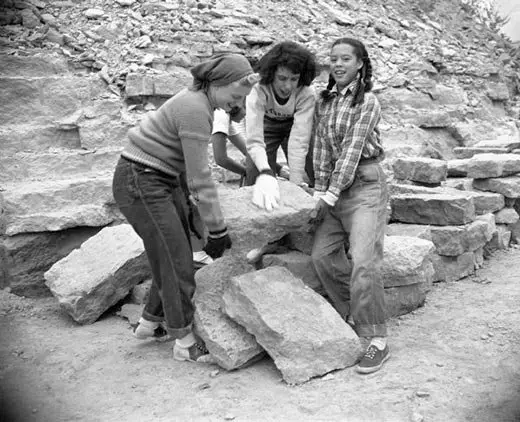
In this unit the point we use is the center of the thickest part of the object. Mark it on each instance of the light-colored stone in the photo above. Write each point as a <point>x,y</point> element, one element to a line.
<point>438,209</point>
<point>29,255</point>
<point>299,264</point>
<point>57,205</point>
<point>228,342</point>
<point>406,260</point>
<point>455,240</point>
<point>468,152</point>
<point>510,144</point>
<point>404,299</point>
<point>100,273</point>
<point>484,166</point>
<point>140,292</point>
<point>507,186</point>
<point>500,240</point>
<point>506,216</point>
<point>251,227</point>
<point>421,231</point>
<point>458,168</point>
<point>420,169</point>
<point>453,268</point>
<point>299,329</point>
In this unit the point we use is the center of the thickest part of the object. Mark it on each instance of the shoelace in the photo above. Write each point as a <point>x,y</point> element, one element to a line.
<point>371,352</point>
<point>202,348</point>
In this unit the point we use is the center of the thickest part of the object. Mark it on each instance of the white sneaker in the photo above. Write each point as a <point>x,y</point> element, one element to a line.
<point>202,257</point>
<point>145,329</point>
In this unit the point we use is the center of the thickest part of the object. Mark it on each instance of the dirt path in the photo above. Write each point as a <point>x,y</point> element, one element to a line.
<point>456,359</point>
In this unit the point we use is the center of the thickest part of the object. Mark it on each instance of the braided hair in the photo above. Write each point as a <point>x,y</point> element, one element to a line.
<point>365,73</point>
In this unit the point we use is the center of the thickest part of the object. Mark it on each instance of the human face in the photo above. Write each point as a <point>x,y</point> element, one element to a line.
<point>230,96</point>
<point>344,64</point>
<point>285,82</point>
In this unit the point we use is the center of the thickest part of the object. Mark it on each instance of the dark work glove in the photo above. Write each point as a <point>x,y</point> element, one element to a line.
<point>217,243</point>
<point>318,214</point>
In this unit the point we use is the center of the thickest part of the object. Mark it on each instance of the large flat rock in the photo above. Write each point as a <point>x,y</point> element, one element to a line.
<point>251,227</point>
<point>455,240</point>
<point>100,273</point>
<point>228,342</point>
<point>485,202</point>
<point>437,209</point>
<point>299,329</point>
<point>59,204</point>
<point>507,186</point>
<point>28,255</point>
<point>484,166</point>
<point>420,169</point>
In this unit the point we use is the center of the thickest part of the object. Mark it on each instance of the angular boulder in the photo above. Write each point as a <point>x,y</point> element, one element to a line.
<point>420,169</point>
<point>251,227</point>
<point>228,342</point>
<point>455,240</point>
<point>437,209</point>
<point>407,261</point>
<point>507,186</point>
<point>299,264</point>
<point>299,329</point>
<point>484,166</point>
<point>100,273</point>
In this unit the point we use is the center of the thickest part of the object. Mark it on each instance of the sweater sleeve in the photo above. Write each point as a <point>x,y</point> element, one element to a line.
<point>194,132</point>
<point>255,110</point>
<point>300,134</point>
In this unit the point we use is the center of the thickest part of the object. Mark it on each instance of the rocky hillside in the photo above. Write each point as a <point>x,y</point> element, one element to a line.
<point>75,75</point>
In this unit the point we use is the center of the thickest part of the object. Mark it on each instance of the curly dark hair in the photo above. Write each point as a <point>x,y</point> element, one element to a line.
<point>291,55</point>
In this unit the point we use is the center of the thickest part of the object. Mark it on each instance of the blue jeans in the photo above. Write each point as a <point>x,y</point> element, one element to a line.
<point>348,251</point>
<point>276,134</point>
<point>154,204</point>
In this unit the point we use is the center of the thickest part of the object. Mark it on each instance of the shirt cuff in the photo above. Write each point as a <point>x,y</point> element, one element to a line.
<point>330,198</point>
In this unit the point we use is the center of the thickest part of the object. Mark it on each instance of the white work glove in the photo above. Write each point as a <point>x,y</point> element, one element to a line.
<point>266,193</point>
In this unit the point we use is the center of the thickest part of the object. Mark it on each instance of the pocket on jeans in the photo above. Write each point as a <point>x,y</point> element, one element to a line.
<point>368,174</point>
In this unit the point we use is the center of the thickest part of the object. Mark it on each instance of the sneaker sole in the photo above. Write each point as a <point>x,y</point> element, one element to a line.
<point>374,368</point>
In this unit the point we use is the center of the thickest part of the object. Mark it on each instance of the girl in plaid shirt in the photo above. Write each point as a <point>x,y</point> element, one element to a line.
<point>350,186</point>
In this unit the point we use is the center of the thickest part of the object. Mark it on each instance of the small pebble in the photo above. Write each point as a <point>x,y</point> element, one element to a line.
<point>204,386</point>
<point>484,337</point>
<point>422,394</point>
<point>229,417</point>
<point>214,373</point>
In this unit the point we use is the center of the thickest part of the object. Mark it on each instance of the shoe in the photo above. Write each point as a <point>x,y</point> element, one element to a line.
<point>197,352</point>
<point>373,360</point>
<point>149,329</point>
<point>255,255</point>
<point>202,258</point>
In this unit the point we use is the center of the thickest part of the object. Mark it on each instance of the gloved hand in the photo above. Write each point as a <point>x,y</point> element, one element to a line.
<point>266,193</point>
<point>217,243</point>
<point>318,214</point>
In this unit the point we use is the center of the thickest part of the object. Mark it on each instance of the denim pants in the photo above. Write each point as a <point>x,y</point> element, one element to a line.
<point>154,204</point>
<point>276,134</point>
<point>348,251</point>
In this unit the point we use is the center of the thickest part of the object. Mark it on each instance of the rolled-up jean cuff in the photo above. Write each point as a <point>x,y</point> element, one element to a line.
<point>176,333</point>
<point>378,330</point>
<point>153,318</point>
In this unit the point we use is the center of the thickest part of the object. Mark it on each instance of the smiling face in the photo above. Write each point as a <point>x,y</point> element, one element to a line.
<point>230,96</point>
<point>344,64</point>
<point>285,82</point>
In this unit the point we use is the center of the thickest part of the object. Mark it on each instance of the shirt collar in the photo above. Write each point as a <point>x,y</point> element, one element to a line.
<point>350,88</point>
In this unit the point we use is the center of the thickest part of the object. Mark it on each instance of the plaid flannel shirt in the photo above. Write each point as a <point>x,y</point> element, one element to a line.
<point>343,135</point>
